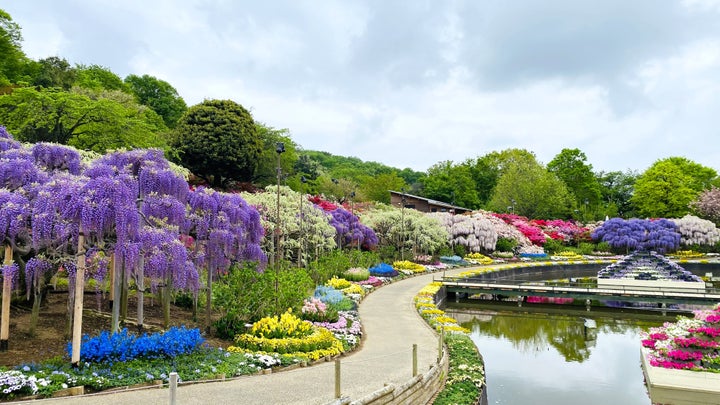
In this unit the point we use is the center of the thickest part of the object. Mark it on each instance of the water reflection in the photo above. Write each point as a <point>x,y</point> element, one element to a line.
<point>552,358</point>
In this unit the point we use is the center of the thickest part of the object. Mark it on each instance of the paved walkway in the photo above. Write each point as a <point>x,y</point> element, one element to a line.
<point>392,326</point>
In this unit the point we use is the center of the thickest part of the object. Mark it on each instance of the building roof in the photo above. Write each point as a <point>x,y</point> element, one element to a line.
<point>431,201</point>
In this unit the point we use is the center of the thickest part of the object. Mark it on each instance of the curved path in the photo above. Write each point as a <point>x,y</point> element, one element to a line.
<point>392,326</point>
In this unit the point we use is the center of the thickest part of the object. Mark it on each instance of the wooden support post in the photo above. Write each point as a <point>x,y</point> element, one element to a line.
<point>79,293</point>
<point>414,359</point>
<point>337,378</point>
<point>441,343</point>
<point>6,294</point>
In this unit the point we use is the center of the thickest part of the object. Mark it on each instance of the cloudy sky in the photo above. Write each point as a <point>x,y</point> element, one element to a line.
<point>410,83</point>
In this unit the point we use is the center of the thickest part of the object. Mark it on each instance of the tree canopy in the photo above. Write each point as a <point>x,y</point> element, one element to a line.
<point>78,120</point>
<point>217,140</point>
<point>158,95</point>
<point>452,184</point>
<point>570,166</point>
<point>528,189</point>
<point>669,185</point>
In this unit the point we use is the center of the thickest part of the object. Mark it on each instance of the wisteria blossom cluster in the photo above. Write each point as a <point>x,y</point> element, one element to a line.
<point>696,231</point>
<point>659,235</point>
<point>350,231</point>
<point>475,232</point>
<point>408,230</point>
<point>689,343</point>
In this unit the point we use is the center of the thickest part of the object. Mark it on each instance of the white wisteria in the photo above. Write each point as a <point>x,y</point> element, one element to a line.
<point>697,231</point>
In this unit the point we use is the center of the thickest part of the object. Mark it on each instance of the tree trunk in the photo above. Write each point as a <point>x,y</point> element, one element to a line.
<point>78,307</point>
<point>208,301</point>
<point>167,294</point>
<point>111,289</point>
<point>6,295</point>
<point>140,283</point>
<point>35,314</point>
<point>123,296</point>
<point>116,288</point>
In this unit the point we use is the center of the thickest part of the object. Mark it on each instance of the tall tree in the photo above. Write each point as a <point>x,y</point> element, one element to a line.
<point>528,189</point>
<point>158,95</point>
<point>267,165</point>
<point>570,166</point>
<point>616,189</point>
<point>55,72</point>
<point>217,140</point>
<point>13,58</point>
<point>77,120</point>
<point>487,169</point>
<point>377,188</point>
<point>98,77</point>
<point>452,184</point>
<point>666,188</point>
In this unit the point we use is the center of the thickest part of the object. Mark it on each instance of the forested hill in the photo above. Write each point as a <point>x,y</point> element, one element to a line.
<point>355,169</point>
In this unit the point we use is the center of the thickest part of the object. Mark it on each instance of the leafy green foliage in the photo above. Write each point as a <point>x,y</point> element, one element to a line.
<point>531,191</point>
<point>335,262</point>
<point>666,189</point>
<point>266,170</point>
<point>92,123</point>
<point>217,140</point>
<point>616,189</point>
<point>98,77</point>
<point>570,166</point>
<point>466,375</point>
<point>506,244</point>
<point>55,72</point>
<point>158,95</point>
<point>13,60</point>
<point>245,295</point>
<point>452,184</point>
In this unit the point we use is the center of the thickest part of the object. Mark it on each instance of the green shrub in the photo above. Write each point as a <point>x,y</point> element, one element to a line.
<point>356,274</point>
<point>505,245</point>
<point>586,248</point>
<point>553,246</point>
<point>603,247</point>
<point>460,250</point>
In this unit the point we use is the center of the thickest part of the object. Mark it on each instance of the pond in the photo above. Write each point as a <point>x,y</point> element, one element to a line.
<point>545,354</point>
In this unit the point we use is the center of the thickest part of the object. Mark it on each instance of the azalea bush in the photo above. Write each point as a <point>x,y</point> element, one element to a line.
<point>689,343</point>
<point>532,232</point>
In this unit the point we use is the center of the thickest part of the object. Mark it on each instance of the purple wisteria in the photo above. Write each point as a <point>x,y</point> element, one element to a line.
<point>351,231</point>
<point>658,235</point>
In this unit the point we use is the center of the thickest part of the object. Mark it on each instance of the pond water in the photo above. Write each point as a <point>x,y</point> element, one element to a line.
<point>543,355</point>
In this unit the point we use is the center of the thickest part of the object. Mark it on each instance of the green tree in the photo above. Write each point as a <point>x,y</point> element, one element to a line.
<point>616,189</point>
<point>55,72</point>
<point>217,140</point>
<point>158,95</point>
<point>486,170</point>
<point>667,187</point>
<point>13,59</point>
<point>377,188</point>
<point>77,120</point>
<point>452,184</point>
<point>570,166</point>
<point>267,165</point>
<point>531,191</point>
<point>97,77</point>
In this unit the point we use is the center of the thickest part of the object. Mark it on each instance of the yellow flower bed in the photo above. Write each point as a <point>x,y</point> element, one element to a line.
<point>319,339</point>
<point>432,311</point>
<point>284,326</point>
<point>445,319</point>
<point>686,254</point>
<point>338,283</point>
<point>478,258</point>
<point>425,304</point>
<point>335,350</point>
<point>408,266</point>
<point>431,289</point>
<point>354,289</point>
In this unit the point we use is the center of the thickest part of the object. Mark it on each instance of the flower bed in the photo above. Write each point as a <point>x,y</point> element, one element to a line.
<point>688,344</point>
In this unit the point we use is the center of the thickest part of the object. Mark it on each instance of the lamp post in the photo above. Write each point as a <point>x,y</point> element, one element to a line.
<point>512,206</point>
<point>280,149</point>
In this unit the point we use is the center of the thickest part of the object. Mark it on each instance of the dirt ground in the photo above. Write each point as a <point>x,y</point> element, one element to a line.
<point>50,338</point>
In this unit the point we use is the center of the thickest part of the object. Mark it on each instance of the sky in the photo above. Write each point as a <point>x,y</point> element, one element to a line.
<point>410,83</point>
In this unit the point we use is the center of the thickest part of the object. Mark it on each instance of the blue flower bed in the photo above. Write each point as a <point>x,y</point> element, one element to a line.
<point>454,260</point>
<point>328,295</point>
<point>124,346</point>
<point>383,270</point>
<point>534,255</point>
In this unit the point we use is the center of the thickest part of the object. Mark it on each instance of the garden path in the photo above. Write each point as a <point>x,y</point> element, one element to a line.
<point>392,326</point>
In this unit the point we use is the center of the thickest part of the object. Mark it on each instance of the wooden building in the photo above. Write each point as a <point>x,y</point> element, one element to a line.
<point>423,204</point>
